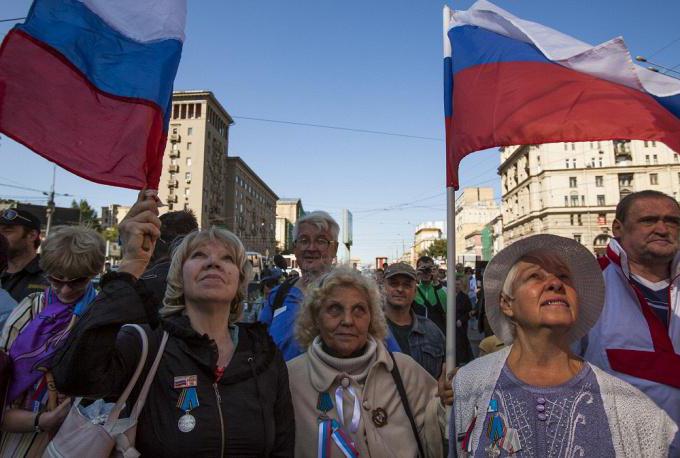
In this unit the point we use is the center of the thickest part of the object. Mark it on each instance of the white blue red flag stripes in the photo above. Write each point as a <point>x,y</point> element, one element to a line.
<point>88,85</point>
<point>508,81</point>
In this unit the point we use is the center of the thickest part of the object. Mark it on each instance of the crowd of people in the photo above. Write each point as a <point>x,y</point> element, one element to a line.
<point>558,353</point>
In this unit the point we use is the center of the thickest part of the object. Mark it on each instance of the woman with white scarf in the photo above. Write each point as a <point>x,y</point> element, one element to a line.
<point>346,386</point>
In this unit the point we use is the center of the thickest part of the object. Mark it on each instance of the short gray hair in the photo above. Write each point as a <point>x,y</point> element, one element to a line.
<point>322,221</point>
<point>306,324</point>
<point>174,294</point>
<point>73,252</point>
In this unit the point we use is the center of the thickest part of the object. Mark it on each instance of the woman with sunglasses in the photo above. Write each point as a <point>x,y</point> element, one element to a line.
<point>71,256</point>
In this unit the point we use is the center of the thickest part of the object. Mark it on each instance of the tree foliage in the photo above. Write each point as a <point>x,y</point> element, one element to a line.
<point>88,215</point>
<point>437,249</point>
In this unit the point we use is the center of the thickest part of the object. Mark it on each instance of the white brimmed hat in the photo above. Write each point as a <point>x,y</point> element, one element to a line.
<point>585,271</point>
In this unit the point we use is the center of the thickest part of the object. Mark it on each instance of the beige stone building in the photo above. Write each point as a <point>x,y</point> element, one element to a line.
<point>112,215</point>
<point>475,208</point>
<point>288,211</point>
<point>571,189</point>
<point>194,162</point>
<point>250,207</point>
<point>425,235</point>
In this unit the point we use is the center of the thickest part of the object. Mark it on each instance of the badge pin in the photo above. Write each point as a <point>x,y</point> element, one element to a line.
<point>186,423</point>
<point>379,417</point>
<point>185,381</point>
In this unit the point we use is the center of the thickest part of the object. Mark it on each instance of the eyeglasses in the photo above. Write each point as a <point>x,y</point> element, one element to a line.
<point>11,215</point>
<point>305,243</point>
<point>73,283</point>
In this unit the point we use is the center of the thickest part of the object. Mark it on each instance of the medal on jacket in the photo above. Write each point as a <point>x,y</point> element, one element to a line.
<point>330,431</point>
<point>187,401</point>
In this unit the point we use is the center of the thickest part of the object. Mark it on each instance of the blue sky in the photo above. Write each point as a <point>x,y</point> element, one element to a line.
<point>373,65</point>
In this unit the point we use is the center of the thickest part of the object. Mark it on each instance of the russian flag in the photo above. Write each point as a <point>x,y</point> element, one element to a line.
<point>508,81</point>
<point>88,84</point>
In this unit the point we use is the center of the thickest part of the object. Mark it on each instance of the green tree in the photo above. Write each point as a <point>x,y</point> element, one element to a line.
<point>110,234</point>
<point>437,249</point>
<point>88,215</point>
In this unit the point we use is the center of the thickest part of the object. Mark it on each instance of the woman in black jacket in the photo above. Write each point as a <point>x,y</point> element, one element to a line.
<point>221,389</point>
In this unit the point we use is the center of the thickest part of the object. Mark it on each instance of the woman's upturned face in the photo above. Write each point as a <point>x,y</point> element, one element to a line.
<point>544,296</point>
<point>210,274</point>
<point>344,320</point>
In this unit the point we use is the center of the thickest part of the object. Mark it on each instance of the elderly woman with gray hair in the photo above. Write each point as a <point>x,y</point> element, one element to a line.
<point>221,388</point>
<point>352,397</point>
<point>535,397</point>
<point>71,257</point>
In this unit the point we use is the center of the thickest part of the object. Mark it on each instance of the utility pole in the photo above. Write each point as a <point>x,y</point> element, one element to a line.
<point>50,203</point>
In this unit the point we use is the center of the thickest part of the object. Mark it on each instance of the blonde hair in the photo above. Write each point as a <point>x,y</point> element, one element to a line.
<point>71,252</point>
<point>174,301</point>
<point>306,325</point>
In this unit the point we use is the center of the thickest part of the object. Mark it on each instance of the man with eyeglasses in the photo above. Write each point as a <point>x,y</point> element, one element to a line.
<point>316,244</point>
<point>637,337</point>
<point>23,275</point>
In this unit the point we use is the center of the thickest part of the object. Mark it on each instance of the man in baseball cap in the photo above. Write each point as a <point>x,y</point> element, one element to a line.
<point>416,335</point>
<point>23,275</point>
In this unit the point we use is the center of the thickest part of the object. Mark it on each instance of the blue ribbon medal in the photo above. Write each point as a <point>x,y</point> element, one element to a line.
<point>187,401</point>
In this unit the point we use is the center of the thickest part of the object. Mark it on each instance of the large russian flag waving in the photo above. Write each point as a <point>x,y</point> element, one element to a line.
<point>508,81</point>
<point>88,84</point>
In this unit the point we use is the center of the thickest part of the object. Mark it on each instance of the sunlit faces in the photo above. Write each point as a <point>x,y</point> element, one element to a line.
<point>210,274</point>
<point>650,229</point>
<point>400,290</point>
<point>543,296</point>
<point>344,320</point>
<point>314,249</point>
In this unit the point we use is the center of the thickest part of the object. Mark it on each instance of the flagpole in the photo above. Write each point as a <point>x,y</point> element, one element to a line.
<point>450,278</point>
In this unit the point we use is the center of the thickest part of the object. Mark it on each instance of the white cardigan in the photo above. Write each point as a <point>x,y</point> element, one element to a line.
<point>638,427</point>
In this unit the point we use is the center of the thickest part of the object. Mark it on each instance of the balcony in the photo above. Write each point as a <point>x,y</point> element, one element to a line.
<point>173,184</point>
<point>175,138</point>
<point>173,168</point>
<point>174,153</point>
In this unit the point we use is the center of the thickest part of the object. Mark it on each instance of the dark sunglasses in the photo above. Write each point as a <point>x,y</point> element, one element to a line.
<point>73,283</point>
<point>11,215</point>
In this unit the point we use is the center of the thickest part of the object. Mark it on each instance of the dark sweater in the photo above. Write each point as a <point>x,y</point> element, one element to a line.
<point>253,394</point>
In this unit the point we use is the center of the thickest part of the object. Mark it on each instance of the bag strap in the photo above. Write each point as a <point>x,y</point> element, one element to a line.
<point>141,399</point>
<point>115,412</point>
<point>282,292</point>
<point>404,401</point>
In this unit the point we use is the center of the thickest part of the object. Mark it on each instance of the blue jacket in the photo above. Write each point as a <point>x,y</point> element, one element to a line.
<point>282,323</point>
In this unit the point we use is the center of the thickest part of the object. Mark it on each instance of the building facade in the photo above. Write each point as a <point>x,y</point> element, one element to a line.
<point>250,207</point>
<point>475,208</point>
<point>288,211</point>
<point>194,162</point>
<point>425,235</point>
<point>572,189</point>
<point>112,215</point>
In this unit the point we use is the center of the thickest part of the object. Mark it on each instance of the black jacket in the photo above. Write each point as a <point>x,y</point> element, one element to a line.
<point>30,279</point>
<point>247,413</point>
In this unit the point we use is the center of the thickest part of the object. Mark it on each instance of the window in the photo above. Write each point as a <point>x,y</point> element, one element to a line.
<point>538,160</point>
<point>175,113</point>
<point>602,218</point>
<point>189,146</point>
<point>599,182</point>
<point>653,144</point>
<point>655,158</point>
<point>646,145</point>
<point>573,147</point>
<point>573,163</point>
<point>183,111</point>
<point>198,110</point>
<point>571,219</point>
<point>653,178</point>
<point>580,222</point>
<point>566,147</point>
<point>574,201</point>
<point>174,130</point>
<point>191,110</point>
<point>187,176</point>
<point>583,201</point>
<point>566,199</point>
<point>174,161</point>
<point>646,158</point>
<point>187,191</point>
<point>577,237</point>
<point>600,200</point>
<point>188,162</point>
<point>190,130</point>
<point>592,162</point>
<point>675,157</point>
<point>572,182</point>
<point>566,163</point>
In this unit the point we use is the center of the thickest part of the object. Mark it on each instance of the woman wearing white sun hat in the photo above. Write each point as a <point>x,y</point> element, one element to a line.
<point>535,397</point>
